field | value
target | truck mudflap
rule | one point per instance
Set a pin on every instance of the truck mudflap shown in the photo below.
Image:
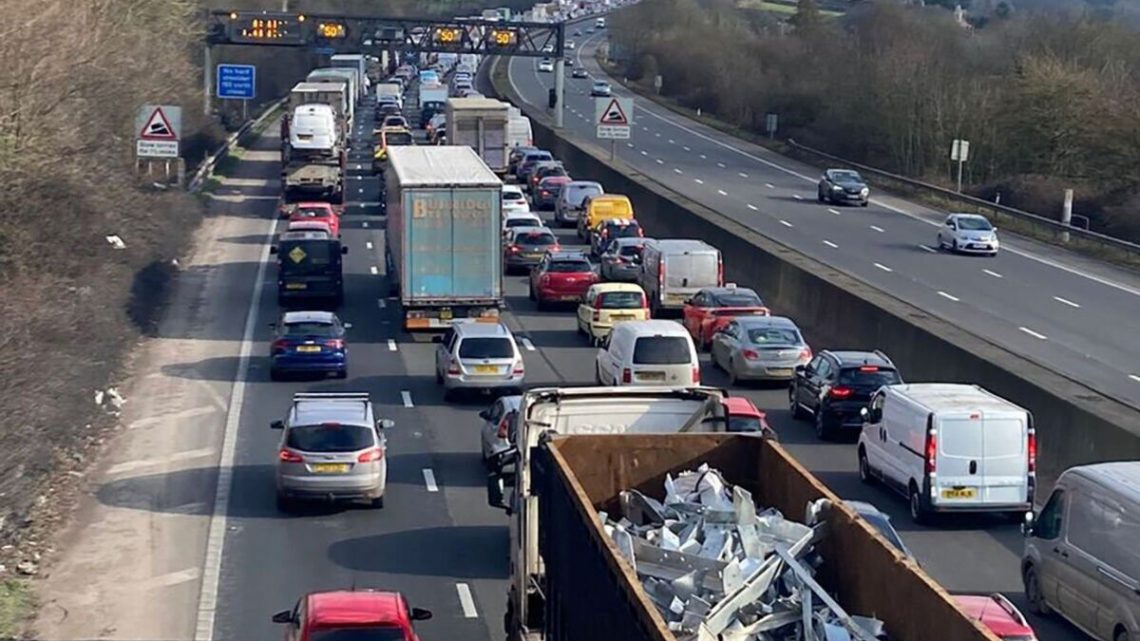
(440, 318)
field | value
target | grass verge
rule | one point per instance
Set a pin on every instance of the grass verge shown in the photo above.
(17, 604)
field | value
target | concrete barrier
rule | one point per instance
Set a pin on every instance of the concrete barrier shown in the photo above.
(1075, 424)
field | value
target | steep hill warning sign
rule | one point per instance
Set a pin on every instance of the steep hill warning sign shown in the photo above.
(614, 117)
(157, 127)
(159, 130)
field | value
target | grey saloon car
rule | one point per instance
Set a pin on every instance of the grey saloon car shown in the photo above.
(838, 186)
(526, 247)
(621, 259)
(765, 348)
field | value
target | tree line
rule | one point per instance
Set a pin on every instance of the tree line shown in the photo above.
(1047, 99)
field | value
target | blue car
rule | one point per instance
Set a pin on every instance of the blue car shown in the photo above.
(308, 343)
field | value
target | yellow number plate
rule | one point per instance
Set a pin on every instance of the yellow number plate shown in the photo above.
(330, 468)
(486, 369)
(959, 493)
(618, 317)
(295, 286)
(308, 348)
(651, 376)
(446, 314)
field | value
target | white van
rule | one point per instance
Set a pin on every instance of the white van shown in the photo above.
(519, 132)
(649, 352)
(949, 447)
(313, 128)
(673, 271)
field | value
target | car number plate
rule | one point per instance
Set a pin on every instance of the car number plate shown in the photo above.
(446, 314)
(308, 348)
(618, 317)
(486, 369)
(330, 468)
(781, 372)
(959, 493)
(651, 376)
(296, 286)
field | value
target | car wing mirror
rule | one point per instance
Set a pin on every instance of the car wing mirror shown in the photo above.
(1027, 524)
(420, 614)
(277, 425)
(272, 249)
(801, 368)
(385, 423)
(343, 250)
(437, 339)
(284, 616)
(348, 325)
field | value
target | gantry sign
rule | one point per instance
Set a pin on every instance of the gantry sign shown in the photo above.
(357, 34)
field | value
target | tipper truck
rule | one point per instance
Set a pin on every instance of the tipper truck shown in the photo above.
(480, 123)
(444, 257)
(589, 589)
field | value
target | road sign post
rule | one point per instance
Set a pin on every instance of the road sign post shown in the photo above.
(614, 119)
(960, 152)
(770, 122)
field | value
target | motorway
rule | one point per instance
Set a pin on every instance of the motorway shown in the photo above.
(1070, 314)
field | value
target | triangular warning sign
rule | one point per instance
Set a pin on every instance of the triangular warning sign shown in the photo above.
(614, 115)
(157, 127)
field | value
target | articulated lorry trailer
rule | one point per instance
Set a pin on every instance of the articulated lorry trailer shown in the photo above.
(580, 453)
(482, 124)
(444, 254)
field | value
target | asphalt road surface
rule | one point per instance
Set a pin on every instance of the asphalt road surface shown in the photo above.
(1071, 314)
(436, 540)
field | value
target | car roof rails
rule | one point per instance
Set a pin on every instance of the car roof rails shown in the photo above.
(883, 356)
(331, 396)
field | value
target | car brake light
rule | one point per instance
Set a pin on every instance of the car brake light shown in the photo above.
(661, 275)
(696, 375)
(280, 345)
(519, 368)
(289, 456)
(719, 270)
(627, 375)
(556, 248)
(502, 433)
(453, 369)
(931, 451)
(336, 343)
(372, 455)
(868, 368)
(514, 249)
(750, 354)
(806, 354)
(1032, 451)
(545, 280)
(840, 392)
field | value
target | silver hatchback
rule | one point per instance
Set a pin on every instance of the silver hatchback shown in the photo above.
(765, 348)
(331, 448)
(478, 357)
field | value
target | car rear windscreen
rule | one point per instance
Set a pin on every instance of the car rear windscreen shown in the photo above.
(868, 376)
(521, 222)
(632, 250)
(330, 438)
(661, 350)
(622, 300)
(569, 266)
(323, 330)
(773, 336)
(743, 424)
(398, 139)
(356, 633)
(513, 195)
(535, 239)
(489, 347)
(739, 299)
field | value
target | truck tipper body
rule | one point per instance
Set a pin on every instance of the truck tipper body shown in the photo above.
(589, 590)
(480, 123)
(444, 209)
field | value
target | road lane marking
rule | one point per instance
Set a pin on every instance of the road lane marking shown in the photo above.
(1066, 302)
(364, 224)
(786, 223)
(1134, 377)
(368, 244)
(769, 185)
(678, 171)
(660, 162)
(657, 134)
(406, 396)
(877, 228)
(752, 207)
(429, 480)
(742, 174)
(1033, 333)
(720, 164)
(686, 148)
(994, 274)
(216, 538)
(704, 157)
(644, 153)
(948, 296)
(374, 270)
(392, 345)
(722, 192)
(699, 181)
(929, 249)
(629, 144)
(466, 601)
(528, 345)
(671, 142)
(797, 197)
(381, 303)
(883, 267)
(830, 244)
(834, 211)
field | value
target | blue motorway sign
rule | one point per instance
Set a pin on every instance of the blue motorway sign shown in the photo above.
(237, 81)
(324, 51)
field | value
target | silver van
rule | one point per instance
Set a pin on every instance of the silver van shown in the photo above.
(1081, 557)
(571, 200)
(674, 270)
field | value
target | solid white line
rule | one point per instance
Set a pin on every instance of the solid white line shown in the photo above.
(528, 345)
(877, 228)
(834, 211)
(720, 164)
(392, 345)
(830, 244)
(797, 197)
(742, 174)
(994, 274)
(786, 223)
(675, 170)
(1032, 333)
(929, 249)
(883, 267)
(1134, 377)
(752, 207)
(429, 480)
(374, 270)
(368, 244)
(948, 296)
(466, 601)
(699, 181)
(1066, 302)
(406, 396)
(769, 185)
(721, 192)
(216, 539)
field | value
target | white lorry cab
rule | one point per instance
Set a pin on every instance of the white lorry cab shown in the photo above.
(949, 447)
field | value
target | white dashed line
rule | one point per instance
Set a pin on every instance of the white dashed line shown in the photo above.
(381, 303)
(671, 142)
(948, 296)
(429, 480)
(786, 223)
(698, 181)
(704, 157)
(752, 207)
(994, 274)
(797, 197)
(720, 164)
(407, 398)
(658, 135)
(830, 244)
(832, 210)
(877, 228)
(528, 345)
(644, 153)
(1066, 302)
(364, 224)
(392, 345)
(368, 244)
(660, 162)
(929, 249)
(629, 144)
(883, 267)
(742, 174)
(1033, 333)
(1134, 377)
(769, 185)
(677, 171)
(722, 192)
(466, 601)
(686, 148)
(361, 190)
(374, 270)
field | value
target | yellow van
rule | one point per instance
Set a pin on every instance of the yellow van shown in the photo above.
(600, 208)
(607, 304)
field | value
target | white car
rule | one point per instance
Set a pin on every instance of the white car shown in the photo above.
(515, 219)
(496, 425)
(546, 66)
(514, 200)
(570, 46)
(969, 234)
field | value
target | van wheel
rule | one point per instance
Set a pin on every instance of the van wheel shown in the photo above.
(918, 510)
(1122, 636)
(1033, 592)
(865, 468)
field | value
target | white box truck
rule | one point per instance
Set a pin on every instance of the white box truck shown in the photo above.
(480, 123)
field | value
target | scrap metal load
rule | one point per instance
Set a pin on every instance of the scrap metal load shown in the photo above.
(715, 569)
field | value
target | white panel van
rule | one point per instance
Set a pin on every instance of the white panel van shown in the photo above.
(648, 352)
(949, 447)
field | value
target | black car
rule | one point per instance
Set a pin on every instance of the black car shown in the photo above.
(836, 385)
(579, 72)
(843, 186)
(429, 110)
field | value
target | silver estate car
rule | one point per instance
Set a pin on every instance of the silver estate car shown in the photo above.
(764, 348)
(332, 448)
(494, 436)
(482, 357)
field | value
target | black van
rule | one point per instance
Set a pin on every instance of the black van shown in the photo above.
(309, 268)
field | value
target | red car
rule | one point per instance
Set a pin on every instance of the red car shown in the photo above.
(561, 277)
(371, 614)
(547, 191)
(310, 224)
(999, 615)
(322, 212)
(713, 307)
(744, 416)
